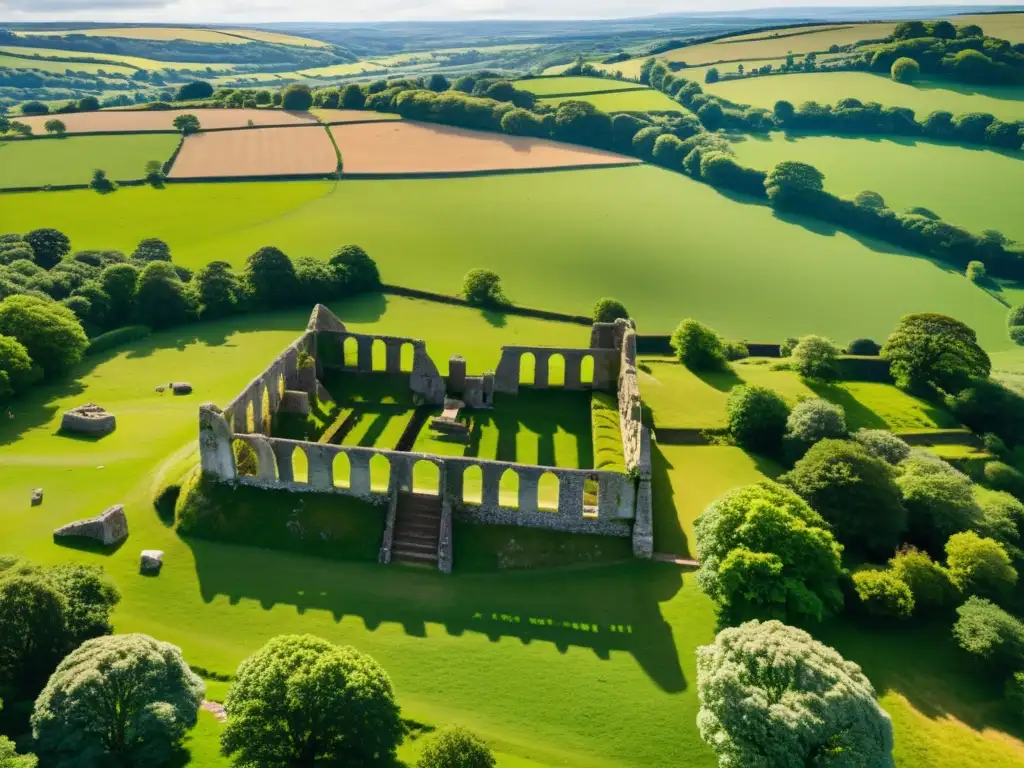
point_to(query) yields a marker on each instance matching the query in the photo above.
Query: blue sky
(368, 10)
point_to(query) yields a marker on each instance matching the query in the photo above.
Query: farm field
(743, 292)
(256, 152)
(340, 70)
(60, 67)
(1005, 102)
(194, 34)
(135, 61)
(71, 160)
(646, 100)
(278, 38)
(551, 86)
(342, 116)
(907, 173)
(1008, 26)
(410, 148)
(139, 120)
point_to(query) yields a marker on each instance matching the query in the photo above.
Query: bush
(198, 89)
(855, 492)
(270, 278)
(482, 288)
(815, 357)
(455, 747)
(163, 299)
(979, 566)
(51, 334)
(764, 552)
(150, 700)
(939, 500)
(883, 445)
(609, 310)
(990, 634)
(883, 595)
(217, 290)
(17, 372)
(116, 338)
(735, 350)
(361, 273)
(928, 581)
(1003, 477)
(49, 246)
(985, 405)
(1013, 692)
(246, 461)
(865, 347)
(975, 271)
(152, 249)
(786, 347)
(356, 718)
(994, 444)
(296, 98)
(187, 124)
(1002, 517)
(352, 97)
(757, 418)
(698, 347)
(814, 419)
(905, 70)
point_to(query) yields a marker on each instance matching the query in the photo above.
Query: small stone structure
(108, 528)
(88, 419)
(37, 497)
(448, 422)
(621, 507)
(151, 561)
(295, 402)
(181, 388)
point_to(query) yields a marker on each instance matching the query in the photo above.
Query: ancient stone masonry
(506, 375)
(629, 399)
(89, 419)
(269, 387)
(108, 528)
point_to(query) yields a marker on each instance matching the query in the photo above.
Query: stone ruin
(151, 561)
(89, 419)
(623, 499)
(108, 528)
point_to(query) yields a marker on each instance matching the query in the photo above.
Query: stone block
(37, 497)
(89, 419)
(108, 528)
(181, 388)
(151, 560)
(295, 402)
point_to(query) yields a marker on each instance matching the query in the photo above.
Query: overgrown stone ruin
(89, 419)
(108, 528)
(418, 526)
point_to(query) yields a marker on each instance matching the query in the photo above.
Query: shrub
(116, 338)
(979, 566)
(152, 249)
(352, 97)
(786, 348)
(939, 500)
(815, 357)
(905, 70)
(698, 347)
(994, 444)
(150, 699)
(455, 747)
(930, 349)
(56, 127)
(883, 595)
(883, 445)
(343, 699)
(764, 552)
(735, 350)
(771, 695)
(361, 271)
(163, 300)
(928, 581)
(991, 634)
(296, 98)
(198, 89)
(1002, 516)
(1013, 692)
(814, 419)
(51, 334)
(985, 405)
(609, 310)
(49, 246)
(1015, 316)
(757, 418)
(187, 124)
(975, 271)
(482, 288)
(217, 290)
(865, 347)
(1003, 477)
(855, 492)
(270, 278)
(790, 184)
(246, 461)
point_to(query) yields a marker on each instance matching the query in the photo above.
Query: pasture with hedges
(605, 370)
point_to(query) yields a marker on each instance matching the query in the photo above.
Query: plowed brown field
(411, 148)
(256, 152)
(109, 122)
(340, 116)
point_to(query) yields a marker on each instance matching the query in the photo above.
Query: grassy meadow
(72, 159)
(192, 34)
(924, 97)
(646, 100)
(945, 178)
(60, 67)
(551, 86)
(135, 61)
(665, 245)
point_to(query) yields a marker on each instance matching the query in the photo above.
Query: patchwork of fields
(740, 267)
(256, 152)
(107, 121)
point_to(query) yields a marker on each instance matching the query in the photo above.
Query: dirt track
(101, 122)
(411, 148)
(256, 152)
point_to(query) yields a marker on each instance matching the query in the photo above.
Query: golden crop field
(151, 33)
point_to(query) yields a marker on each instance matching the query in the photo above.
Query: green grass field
(192, 34)
(665, 245)
(629, 101)
(135, 61)
(924, 97)
(548, 86)
(595, 665)
(71, 160)
(907, 173)
(60, 67)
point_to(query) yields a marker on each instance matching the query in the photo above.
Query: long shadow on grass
(669, 536)
(858, 415)
(921, 662)
(604, 608)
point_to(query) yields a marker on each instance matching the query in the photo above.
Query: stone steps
(417, 529)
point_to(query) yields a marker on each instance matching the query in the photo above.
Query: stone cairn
(108, 528)
(89, 419)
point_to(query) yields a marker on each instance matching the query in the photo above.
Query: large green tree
(302, 701)
(990, 634)
(930, 349)
(123, 699)
(217, 290)
(455, 747)
(17, 373)
(48, 245)
(771, 696)
(51, 333)
(979, 566)
(698, 347)
(270, 278)
(765, 553)
(119, 281)
(790, 184)
(361, 273)
(940, 500)
(162, 299)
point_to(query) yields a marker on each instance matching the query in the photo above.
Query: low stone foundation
(472, 513)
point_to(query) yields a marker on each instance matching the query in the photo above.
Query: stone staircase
(417, 529)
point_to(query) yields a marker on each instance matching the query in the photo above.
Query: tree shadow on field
(494, 317)
(724, 380)
(604, 608)
(34, 410)
(921, 662)
(858, 415)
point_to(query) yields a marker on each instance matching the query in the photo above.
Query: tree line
(52, 301)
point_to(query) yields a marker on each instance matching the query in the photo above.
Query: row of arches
(378, 355)
(555, 369)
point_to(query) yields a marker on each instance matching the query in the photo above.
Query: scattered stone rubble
(108, 528)
(151, 560)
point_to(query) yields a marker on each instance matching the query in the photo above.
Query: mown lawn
(543, 664)
(907, 173)
(72, 159)
(563, 241)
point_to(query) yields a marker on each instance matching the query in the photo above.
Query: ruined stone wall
(629, 401)
(282, 374)
(506, 375)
